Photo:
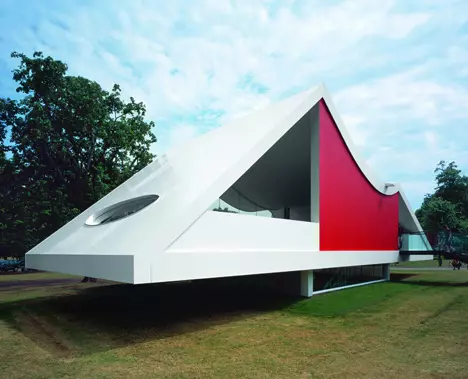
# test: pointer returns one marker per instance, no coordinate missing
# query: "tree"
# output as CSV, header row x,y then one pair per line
x,y
452,185
448,205
436,212
71,143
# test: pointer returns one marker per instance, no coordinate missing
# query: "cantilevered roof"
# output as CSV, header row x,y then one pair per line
x,y
185,181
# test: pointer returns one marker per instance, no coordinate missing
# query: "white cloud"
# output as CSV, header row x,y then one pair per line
x,y
354,126
182,133
398,75
458,56
416,190
407,94
409,112
239,43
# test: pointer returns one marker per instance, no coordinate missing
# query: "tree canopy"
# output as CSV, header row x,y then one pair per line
x,y
63,145
448,205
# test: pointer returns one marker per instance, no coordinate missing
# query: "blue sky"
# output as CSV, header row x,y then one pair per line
x,y
397,70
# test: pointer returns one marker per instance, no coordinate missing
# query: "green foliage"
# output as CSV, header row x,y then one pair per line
x,y
71,143
437,212
448,205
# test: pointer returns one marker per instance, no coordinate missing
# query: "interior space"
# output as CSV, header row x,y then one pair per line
x,y
280,183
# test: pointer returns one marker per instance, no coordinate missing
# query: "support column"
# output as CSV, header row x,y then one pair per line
x,y
307,283
386,271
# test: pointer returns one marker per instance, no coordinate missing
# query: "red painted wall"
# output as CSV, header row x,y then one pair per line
x,y
353,215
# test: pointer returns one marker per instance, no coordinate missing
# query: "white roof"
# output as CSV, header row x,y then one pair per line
x,y
188,179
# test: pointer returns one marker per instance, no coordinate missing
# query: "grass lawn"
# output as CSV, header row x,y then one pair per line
x,y
13,276
430,263
425,264
413,327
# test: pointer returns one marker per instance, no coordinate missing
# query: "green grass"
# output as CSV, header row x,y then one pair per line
x,y
430,263
340,303
7,277
413,327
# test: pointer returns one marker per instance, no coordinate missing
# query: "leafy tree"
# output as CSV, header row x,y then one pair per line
x,y
448,205
71,143
436,212
452,185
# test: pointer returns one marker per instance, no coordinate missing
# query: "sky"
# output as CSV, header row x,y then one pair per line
x,y
397,70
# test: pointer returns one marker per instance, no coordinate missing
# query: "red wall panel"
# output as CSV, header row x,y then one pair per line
x,y
353,214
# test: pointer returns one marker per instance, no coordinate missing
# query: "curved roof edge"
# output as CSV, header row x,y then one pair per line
x,y
384,188
301,103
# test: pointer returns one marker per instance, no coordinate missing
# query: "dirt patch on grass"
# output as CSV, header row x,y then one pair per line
x,y
35,283
44,334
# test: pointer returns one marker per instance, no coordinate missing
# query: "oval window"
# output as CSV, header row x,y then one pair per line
x,y
120,210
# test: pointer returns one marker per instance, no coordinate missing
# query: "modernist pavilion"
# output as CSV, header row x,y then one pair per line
x,y
299,198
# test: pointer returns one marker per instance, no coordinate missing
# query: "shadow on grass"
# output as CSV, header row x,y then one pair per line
x,y
433,283
414,279
86,320
398,277
100,318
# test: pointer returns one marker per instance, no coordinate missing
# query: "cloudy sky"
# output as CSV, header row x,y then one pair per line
x,y
396,69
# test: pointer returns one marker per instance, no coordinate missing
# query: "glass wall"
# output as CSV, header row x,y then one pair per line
x,y
345,276
411,242
221,206
301,213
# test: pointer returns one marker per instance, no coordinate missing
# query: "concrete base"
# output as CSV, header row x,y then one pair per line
x,y
386,271
307,283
